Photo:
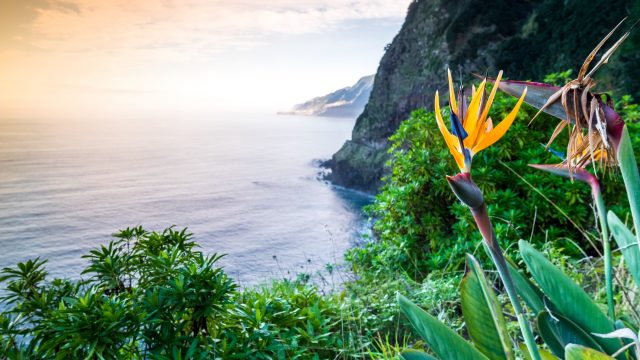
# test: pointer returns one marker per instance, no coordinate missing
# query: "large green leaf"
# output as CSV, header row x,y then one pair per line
x,y
531,295
579,352
627,243
443,341
550,338
483,315
529,292
568,298
558,332
544,354
411,354
630,175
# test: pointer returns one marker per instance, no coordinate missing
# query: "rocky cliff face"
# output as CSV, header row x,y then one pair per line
x,y
346,102
527,39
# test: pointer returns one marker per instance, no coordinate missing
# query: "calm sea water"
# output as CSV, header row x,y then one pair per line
x,y
245,186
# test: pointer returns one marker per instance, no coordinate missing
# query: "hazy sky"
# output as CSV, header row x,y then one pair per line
x,y
86,58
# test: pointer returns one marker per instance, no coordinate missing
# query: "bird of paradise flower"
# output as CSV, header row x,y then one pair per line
x,y
472,130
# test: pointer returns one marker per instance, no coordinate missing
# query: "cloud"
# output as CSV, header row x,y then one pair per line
x,y
122,54
16,16
191,26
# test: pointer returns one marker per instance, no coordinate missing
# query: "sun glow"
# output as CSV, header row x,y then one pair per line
x,y
85,57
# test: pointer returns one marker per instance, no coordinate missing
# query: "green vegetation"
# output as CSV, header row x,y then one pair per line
x,y
568,322
154,295
420,226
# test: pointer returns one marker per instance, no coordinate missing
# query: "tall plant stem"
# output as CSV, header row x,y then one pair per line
x,y
481,217
629,170
606,247
581,174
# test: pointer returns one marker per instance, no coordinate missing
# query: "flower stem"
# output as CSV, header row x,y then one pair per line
x,y
606,247
481,217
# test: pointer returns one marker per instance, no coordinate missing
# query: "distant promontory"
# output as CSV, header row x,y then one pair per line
x,y
346,102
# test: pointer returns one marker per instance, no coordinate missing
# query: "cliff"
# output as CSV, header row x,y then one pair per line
x,y
527,39
346,102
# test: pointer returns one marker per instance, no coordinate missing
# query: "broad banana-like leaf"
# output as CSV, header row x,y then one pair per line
x,y
483,315
531,295
537,95
627,244
443,341
625,334
631,177
411,354
544,354
568,298
579,352
626,322
558,332
527,290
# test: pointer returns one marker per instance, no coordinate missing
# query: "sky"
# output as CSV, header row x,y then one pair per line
x,y
89,58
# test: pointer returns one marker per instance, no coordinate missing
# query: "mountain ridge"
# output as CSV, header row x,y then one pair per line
x,y
346,102
526,39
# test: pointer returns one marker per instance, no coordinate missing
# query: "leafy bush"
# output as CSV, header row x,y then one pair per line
x,y
285,320
151,295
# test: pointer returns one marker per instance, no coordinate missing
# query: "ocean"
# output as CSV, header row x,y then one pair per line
x,y
245,185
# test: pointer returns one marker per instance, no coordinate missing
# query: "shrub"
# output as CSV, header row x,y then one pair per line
x,y
152,295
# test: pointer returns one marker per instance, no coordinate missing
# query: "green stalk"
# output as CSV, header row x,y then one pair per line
x,y
629,170
581,174
470,194
481,217
606,247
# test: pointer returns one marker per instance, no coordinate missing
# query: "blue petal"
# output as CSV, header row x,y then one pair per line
x,y
456,126
467,156
557,153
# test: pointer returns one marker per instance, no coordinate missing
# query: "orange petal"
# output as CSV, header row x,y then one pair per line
x,y
485,112
599,154
501,129
475,136
487,129
452,93
471,121
448,137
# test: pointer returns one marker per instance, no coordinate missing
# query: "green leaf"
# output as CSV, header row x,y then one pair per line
x,y
411,354
579,352
443,341
192,349
483,315
568,298
531,295
550,338
627,243
558,332
629,170
544,354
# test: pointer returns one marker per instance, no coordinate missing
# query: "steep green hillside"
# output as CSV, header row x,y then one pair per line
x,y
527,39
